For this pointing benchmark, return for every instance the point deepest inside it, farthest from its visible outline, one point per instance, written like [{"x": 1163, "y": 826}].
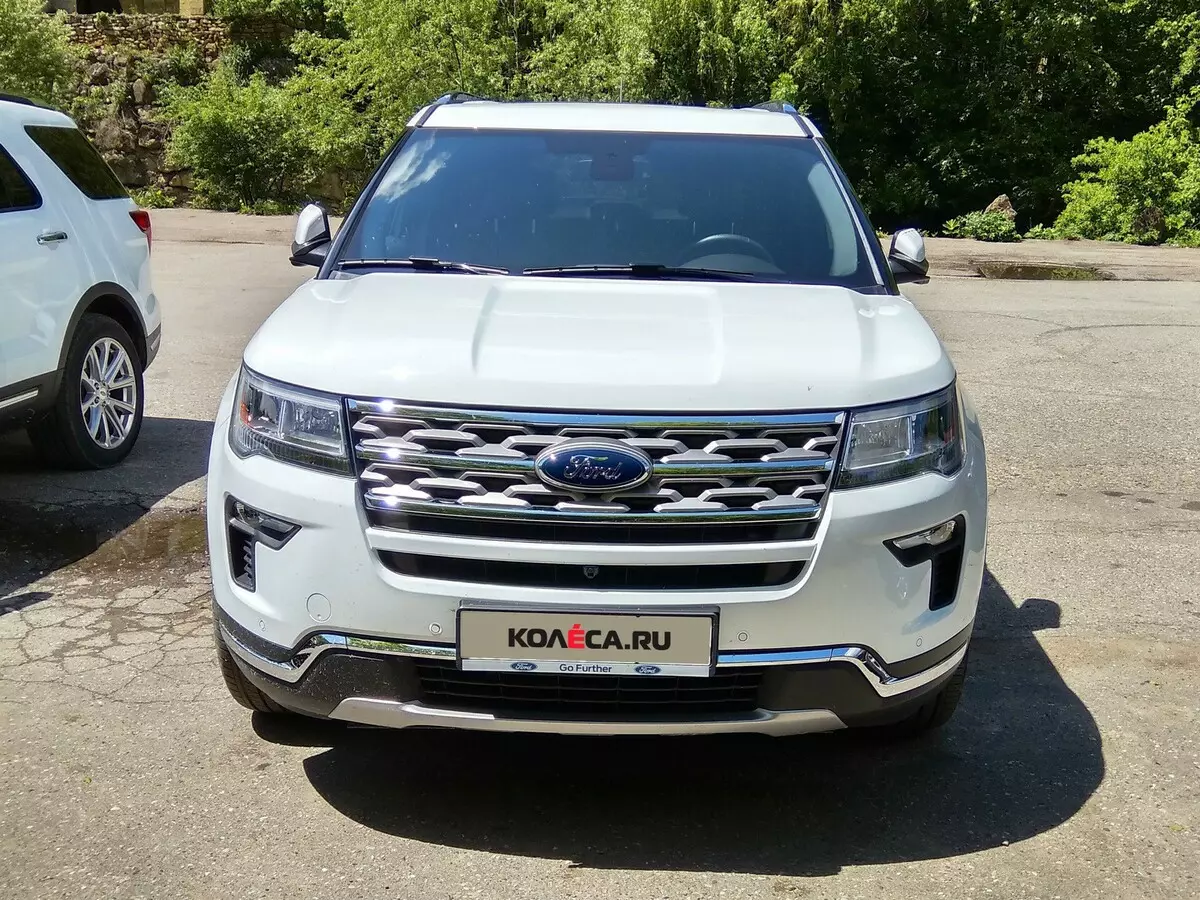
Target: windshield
[{"x": 523, "y": 200}]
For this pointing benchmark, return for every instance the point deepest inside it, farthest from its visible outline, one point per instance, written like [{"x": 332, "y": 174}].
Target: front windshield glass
[{"x": 542, "y": 199}]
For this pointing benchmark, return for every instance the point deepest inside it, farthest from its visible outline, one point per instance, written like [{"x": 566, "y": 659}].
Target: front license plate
[{"x": 585, "y": 643}]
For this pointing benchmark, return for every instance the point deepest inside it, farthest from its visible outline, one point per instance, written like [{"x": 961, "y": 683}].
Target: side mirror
[
  {"x": 906, "y": 257},
  {"x": 312, "y": 239}
]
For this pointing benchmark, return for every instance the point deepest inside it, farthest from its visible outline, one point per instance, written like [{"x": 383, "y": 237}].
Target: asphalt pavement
[{"x": 1071, "y": 770}]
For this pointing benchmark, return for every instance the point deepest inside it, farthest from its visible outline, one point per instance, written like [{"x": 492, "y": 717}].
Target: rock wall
[
  {"x": 125, "y": 59},
  {"x": 159, "y": 33}
]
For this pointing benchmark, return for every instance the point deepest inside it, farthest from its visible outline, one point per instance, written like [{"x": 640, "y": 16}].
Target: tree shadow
[
  {"x": 50, "y": 519},
  {"x": 1021, "y": 756}
]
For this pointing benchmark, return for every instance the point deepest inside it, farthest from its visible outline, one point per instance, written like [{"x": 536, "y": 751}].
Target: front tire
[
  {"x": 97, "y": 415},
  {"x": 936, "y": 711},
  {"x": 239, "y": 686}
]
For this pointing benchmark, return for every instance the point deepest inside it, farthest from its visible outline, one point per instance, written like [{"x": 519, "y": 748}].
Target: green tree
[
  {"x": 936, "y": 106},
  {"x": 35, "y": 60},
  {"x": 406, "y": 53},
  {"x": 716, "y": 52},
  {"x": 592, "y": 50},
  {"x": 1144, "y": 190}
]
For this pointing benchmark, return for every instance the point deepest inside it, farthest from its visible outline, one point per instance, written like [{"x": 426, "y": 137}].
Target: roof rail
[
  {"x": 777, "y": 106},
  {"x": 456, "y": 97},
  {"x": 444, "y": 100},
  {"x": 781, "y": 106},
  {"x": 24, "y": 101}
]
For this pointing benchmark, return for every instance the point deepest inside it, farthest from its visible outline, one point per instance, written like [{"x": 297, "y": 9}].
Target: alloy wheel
[{"x": 108, "y": 393}]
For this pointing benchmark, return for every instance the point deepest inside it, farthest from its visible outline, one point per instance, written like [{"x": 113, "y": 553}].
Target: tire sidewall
[{"x": 91, "y": 329}]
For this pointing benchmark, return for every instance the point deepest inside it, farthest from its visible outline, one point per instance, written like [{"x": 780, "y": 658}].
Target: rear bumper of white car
[{"x": 329, "y": 629}]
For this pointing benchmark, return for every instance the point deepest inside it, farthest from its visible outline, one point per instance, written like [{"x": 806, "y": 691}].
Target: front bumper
[
  {"x": 379, "y": 682},
  {"x": 855, "y": 639}
]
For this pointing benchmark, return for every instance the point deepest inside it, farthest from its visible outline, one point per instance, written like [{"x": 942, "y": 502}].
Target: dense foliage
[
  {"x": 933, "y": 106},
  {"x": 982, "y": 226},
  {"x": 34, "y": 60},
  {"x": 254, "y": 146},
  {"x": 1145, "y": 190}
]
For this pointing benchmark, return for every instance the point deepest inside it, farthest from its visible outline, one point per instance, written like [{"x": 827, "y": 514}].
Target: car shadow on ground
[
  {"x": 50, "y": 519},
  {"x": 1022, "y": 755}
]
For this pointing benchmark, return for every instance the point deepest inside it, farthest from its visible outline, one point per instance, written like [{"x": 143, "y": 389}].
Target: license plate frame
[{"x": 540, "y": 660}]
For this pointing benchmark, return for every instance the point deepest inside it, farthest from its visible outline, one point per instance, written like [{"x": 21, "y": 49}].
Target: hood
[{"x": 628, "y": 345}]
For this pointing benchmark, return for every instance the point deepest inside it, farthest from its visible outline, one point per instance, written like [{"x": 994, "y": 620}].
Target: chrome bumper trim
[
  {"x": 877, "y": 676},
  {"x": 873, "y": 670},
  {"x": 293, "y": 670},
  {"x": 400, "y": 714}
]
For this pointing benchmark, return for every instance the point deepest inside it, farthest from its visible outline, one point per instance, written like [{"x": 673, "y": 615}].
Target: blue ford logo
[
  {"x": 647, "y": 670},
  {"x": 524, "y": 666},
  {"x": 593, "y": 466}
]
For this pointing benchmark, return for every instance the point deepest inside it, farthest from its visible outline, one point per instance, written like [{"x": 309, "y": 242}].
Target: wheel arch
[{"x": 113, "y": 301}]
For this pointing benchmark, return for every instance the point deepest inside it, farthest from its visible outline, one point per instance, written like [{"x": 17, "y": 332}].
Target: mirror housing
[
  {"x": 906, "y": 257},
  {"x": 311, "y": 242}
]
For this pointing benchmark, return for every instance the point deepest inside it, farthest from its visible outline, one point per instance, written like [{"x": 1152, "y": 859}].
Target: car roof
[
  {"x": 453, "y": 112},
  {"x": 23, "y": 111}
]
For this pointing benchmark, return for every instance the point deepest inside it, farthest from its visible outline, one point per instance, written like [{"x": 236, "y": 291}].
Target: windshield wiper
[
  {"x": 422, "y": 264},
  {"x": 645, "y": 270}
]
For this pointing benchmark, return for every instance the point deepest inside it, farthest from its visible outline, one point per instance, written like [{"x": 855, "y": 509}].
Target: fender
[{"x": 128, "y": 306}]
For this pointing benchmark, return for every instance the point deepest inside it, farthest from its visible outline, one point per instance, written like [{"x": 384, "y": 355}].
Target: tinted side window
[
  {"x": 16, "y": 192},
  {"x": 79, "y": 161}
]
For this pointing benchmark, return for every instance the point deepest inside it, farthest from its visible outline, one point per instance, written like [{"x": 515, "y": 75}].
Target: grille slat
[
  {"x": 708, "y": 470},
  {"x": 615, "y": 577},
  {"x": 565, "y": 696}
]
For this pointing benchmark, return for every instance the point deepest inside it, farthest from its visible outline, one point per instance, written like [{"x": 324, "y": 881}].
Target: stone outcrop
[{"x": 122, "y": 60}]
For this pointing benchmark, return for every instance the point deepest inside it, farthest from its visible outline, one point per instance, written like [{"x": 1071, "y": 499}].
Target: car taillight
[{"x": 141, "y": 219}]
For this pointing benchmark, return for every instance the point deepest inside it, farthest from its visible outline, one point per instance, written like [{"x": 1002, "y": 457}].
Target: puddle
[
  {"x": 34, "y": 541},
  {"x": 1035, "y": 272}
]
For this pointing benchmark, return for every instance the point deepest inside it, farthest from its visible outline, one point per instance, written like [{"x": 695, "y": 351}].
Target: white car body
[
  {"x": 62, "y": 257},
  {"x": 592, "y": 353}
]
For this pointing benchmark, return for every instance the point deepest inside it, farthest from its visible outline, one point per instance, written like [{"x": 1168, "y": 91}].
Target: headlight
[
  {"x": 288, "y": 424},
  {"x": 903, "y": 440}
]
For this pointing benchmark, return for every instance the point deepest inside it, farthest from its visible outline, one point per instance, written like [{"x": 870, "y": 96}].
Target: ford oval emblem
[
  {"x": 647, "y": 670},
  {"x": 524, "y": 666},
  {"x": 593, "y": 466}
]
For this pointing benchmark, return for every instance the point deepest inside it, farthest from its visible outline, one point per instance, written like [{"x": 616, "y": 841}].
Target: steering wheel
[{"x": 737, "y": 244}]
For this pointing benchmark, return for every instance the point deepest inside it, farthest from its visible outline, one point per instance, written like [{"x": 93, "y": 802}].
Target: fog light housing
[
  {"x": 943, "y": 546},
  {"x": 249, "y": 527}
]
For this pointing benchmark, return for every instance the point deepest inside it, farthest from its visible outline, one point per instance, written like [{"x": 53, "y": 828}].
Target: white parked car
[
  {"x": 599, "y": 419},
  {"x": 79, "y": 322}
]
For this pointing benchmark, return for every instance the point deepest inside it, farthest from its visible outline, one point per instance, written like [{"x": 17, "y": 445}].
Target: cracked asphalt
[{"x": 1071, "y": 770}]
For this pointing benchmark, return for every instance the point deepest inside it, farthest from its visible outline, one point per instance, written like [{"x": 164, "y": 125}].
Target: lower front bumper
[
  {"x": 380, "y": 683},
  {"x": 409, "y": 714}
]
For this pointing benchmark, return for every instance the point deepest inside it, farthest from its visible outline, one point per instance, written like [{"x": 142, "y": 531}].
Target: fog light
[
  {"x": 932, "y": 537},
  {"x": 263, "y": 527},
  {"x": 942, "y": 546}
]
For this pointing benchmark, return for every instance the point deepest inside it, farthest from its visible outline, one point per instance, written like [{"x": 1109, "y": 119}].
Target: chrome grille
[{"x": 708, "y": 470}]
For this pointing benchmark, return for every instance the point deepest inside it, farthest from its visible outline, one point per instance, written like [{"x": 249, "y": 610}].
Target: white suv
[
  {"x": 79, "y": 321},
  {"x": 599, "y": 419}
]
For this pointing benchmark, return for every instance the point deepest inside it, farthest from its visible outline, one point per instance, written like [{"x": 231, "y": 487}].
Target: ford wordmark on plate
[{"x": 599, "y": 419}]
